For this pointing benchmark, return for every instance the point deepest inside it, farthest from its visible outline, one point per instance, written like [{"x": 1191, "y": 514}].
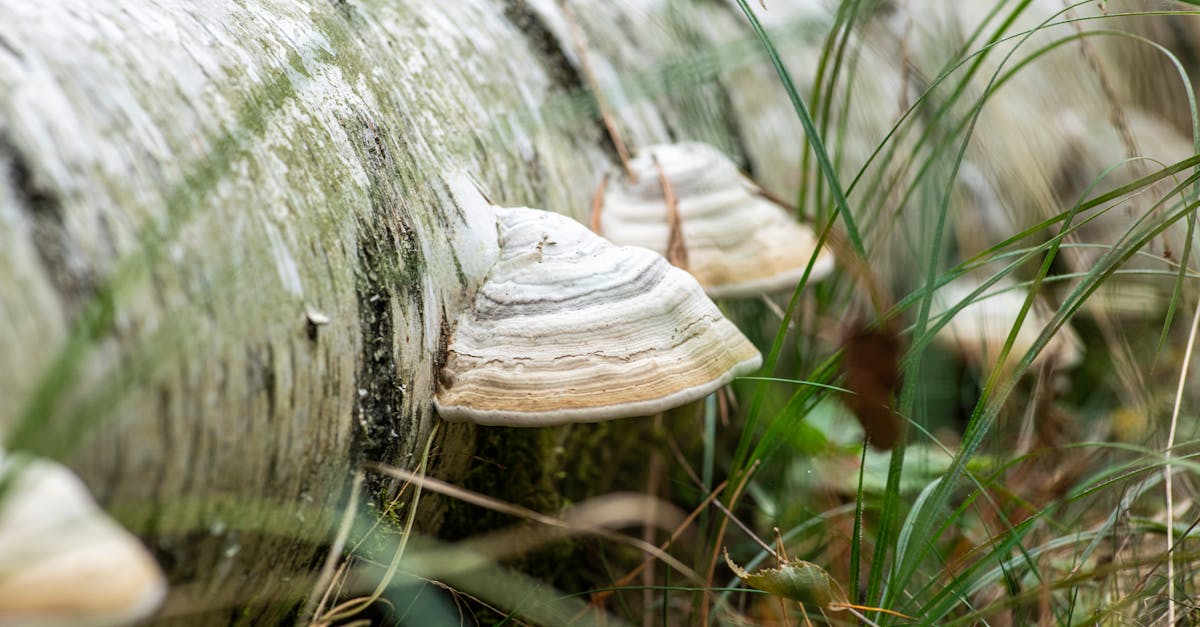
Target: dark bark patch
[
  {"x": 348, "y": 12},
  {"x": 549, "y": 50},
  {"x": 377, "y": 377},
  {"x": 390, "y": 269},
  {"x": 11, "y": 49},
  {"x": 74, "y": 281}
]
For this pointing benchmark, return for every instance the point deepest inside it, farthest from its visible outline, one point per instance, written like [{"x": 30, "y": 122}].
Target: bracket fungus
[
  {"x": 979, "y": 330},
  {"x": 568, "y": 327},
  {"x": 740, "y": 242},
  {"x": 62, "y": 560}
]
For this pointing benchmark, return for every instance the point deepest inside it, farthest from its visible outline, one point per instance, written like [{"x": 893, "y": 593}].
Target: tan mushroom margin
[
  {"x": 980, "y": 328},
  {"x": 739, "y": 242},
  {"x": 62, "y": 560},
  {"x": 568, "y": 327}
]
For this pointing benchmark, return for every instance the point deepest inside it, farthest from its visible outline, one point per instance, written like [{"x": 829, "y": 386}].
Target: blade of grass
[{"x": 810, "y": 130}]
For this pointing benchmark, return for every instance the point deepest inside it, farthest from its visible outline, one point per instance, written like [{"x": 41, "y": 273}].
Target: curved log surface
[{"x": 229, "y": 253}]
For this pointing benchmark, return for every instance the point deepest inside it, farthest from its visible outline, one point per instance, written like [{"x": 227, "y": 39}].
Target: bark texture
[{"x": 188, "y": 191}]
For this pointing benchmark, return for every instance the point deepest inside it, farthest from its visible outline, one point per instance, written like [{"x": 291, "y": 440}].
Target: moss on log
[{"x": 229, "y": 257}]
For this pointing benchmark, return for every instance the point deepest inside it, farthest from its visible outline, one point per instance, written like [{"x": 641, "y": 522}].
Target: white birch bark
[{"x": 186, "y": 186}]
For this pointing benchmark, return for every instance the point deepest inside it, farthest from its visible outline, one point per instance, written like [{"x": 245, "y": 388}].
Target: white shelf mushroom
[
  {"x": 978, "y": 330},
  {"x": 570, "y": 328},
  {"x": 63, "y": 562},
  {"x": 739, "y": 242}
]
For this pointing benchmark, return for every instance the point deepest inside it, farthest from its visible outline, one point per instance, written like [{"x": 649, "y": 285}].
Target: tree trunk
[{"x": 229, "y": 258}]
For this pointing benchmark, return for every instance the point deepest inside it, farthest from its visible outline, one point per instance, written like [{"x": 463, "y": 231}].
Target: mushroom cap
[
  {"x": 980, "y": 328},
  {"x": 570, "y": 328},
  {"x": 62, "y": 560},
  {"x": 739, "y": 242}
]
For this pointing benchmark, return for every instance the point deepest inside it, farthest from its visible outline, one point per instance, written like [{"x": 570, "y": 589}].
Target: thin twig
[
  {"x": 705, "y": 599},
  {"x": 1116, "y": 112},
  {"x": 314, "y": 605},
  {"x": 880, "y": 297},
  {"x": 850, "y": 607},
  {"x": 653, "y": 486},
  {"x": 677, "y": 252},
  {"x": 605, "y": 114},
  {"x": 906, "y": 63},
  {"x": 782, "y": 559},
  {"x": 750, "y": 533},
  {"x": 599, "y": 597},
  {"x": 409, "y": 522},
  {"x": 1169, "y": 471},
  {"x": 804, "y": 613},
  {"x": 863, "y": 618},
  {"x": 494, "y": 504},
  {"x": 598, "y": 206}
]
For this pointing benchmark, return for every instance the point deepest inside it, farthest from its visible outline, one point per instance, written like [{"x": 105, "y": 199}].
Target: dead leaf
[
  {"x": 872, "y": 365},
  {"x": 797, "y": 580}
]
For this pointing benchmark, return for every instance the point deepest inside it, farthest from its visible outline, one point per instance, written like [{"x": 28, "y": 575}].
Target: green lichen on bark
[{"x": 251, "y": 164}]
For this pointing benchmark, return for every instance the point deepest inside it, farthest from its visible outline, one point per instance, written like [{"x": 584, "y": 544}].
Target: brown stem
[
  {"x": 705, "y": 600},
  {"x": 677, "y": 252},
  {"x": 804, "y": 613},
  {"x": 601, "y": 596},
  {"x": 605, "y": 113},
  {"x": 880, "y": 297},
  {"x": 867, "y": 608},
  {"x": 598, "y": 206}
]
